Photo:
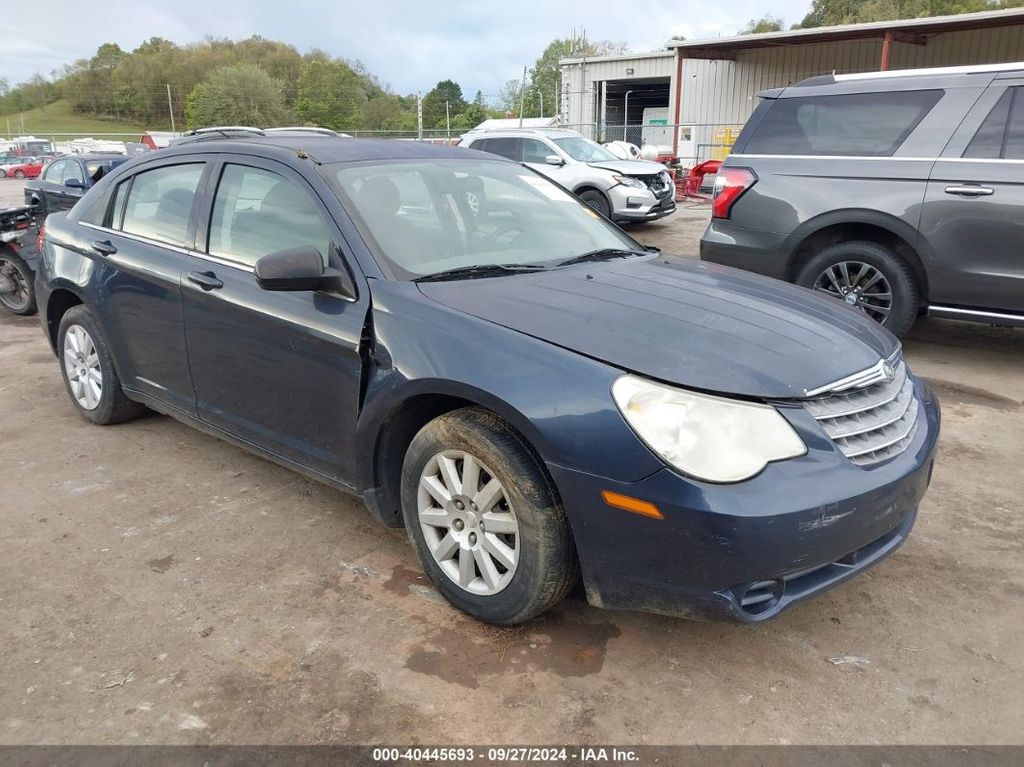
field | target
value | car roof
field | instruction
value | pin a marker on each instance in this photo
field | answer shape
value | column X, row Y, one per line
column 91, row 156
column 323, row 148
column 549, row 132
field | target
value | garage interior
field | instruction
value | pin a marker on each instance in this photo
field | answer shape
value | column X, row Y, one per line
column 624, row 102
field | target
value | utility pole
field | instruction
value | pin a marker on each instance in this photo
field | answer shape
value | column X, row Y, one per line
column 522, row 97
column 170, row 106
column 419, row 116
column 540, row 92
column 448, row 120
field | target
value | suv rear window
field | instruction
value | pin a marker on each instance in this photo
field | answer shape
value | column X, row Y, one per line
column 870, row 124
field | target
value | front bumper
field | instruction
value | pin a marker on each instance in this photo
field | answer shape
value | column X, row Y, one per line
column 749, row 550
column 630, row 204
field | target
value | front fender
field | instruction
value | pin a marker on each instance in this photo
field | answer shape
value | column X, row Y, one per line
column 559, row 400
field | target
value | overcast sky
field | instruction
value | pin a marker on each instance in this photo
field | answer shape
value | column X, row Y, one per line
column 408, row 44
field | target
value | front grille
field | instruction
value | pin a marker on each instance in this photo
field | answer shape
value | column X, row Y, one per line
column 660, row 184
column 873, row 423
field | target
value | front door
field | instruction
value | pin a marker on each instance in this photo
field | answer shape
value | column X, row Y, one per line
column 280, row 370
column 973, row 215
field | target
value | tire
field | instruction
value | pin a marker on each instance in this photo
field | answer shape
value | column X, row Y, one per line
column 863, row 261
column 597, row 201
column 544, row 566
column 111, row 406
column 3, row 173
column 20, row 297
column 19, row 174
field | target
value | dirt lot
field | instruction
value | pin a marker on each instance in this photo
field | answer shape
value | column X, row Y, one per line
column 159, row 586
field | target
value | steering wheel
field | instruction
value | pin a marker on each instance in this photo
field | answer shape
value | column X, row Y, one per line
column 501, row 231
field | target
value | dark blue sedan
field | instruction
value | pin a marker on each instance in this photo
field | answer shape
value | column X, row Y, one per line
column 488, row 362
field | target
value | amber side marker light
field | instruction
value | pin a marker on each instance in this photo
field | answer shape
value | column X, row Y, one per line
column 635, row 505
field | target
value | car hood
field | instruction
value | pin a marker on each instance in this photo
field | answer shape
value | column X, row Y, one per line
column 629, row 167
column 698, row 325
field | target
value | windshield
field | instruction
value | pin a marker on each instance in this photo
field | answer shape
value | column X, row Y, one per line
column 423, row 217
column 584, row 150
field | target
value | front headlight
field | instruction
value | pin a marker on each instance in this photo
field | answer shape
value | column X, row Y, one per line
column 709, row 438
column 630, row 181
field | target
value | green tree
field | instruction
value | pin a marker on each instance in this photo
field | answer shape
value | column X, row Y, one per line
column 386, row 113
column 237, row 95
column 829, row 12
column 766, row 23
column 545, row 75
column 434, row 103
column 331, row 95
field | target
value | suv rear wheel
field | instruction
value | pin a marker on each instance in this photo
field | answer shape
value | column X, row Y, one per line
column 484, row 519
column 597, row 201
column 869, row 277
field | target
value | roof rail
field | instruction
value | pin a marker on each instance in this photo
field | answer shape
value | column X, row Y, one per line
column 226, row 130
column 303, row 129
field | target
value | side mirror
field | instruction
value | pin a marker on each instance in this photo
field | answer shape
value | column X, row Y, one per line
column 74, row 183
column 554, row 159
column 301, row 268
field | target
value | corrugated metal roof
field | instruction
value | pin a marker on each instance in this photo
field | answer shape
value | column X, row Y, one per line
column 932, row 24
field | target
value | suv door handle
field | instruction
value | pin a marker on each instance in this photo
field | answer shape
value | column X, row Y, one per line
column 970, row 190
column 205, row 280
column 104, row 247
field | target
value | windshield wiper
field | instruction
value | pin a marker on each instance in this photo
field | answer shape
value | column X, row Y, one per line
column 604, row 254
column 480, row 270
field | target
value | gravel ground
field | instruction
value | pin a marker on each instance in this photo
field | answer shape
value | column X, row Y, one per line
column 160, row 586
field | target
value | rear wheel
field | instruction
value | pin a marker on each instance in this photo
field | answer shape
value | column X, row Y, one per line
column 3, row 173
column 17, row 291
column 89, row 374
column 484, row 519
column 869, row 277
column 597, row 201
column 19, row 174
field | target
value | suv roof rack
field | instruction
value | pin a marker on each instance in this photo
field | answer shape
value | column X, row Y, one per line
column 970, row 69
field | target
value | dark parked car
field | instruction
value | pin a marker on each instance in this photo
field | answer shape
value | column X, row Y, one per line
column 900, row 193
column 64, row 181
column 528, row 390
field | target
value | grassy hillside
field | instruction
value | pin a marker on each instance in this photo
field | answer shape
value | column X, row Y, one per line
column 58, row 118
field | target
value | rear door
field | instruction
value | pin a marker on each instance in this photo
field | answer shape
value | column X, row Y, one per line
column 280, row 370
column 51, row 186
column 973, row 214
column 144, row 235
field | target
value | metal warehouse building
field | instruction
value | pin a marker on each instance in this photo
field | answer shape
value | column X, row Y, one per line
column 692, row 100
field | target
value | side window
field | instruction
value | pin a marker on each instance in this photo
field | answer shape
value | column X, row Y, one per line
column 506, row 147
column 73, row 171
column 1013, row 149
column 117, row 210
column 55, row 172
column 534, row 150
column 481, row 145
column 988, row 141
column 867, row 124
column 256, row 212
column 160, row 201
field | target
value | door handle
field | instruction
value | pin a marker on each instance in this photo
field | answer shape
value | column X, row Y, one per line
column 104, row 247
column 205, row 280
column 970, row 190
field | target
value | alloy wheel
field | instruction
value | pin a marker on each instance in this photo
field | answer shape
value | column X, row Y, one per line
column 860, row 285
column 468, row 522
column 14, row 292
column 82, row 367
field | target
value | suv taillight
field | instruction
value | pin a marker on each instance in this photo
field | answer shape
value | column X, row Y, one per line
column 730, row 184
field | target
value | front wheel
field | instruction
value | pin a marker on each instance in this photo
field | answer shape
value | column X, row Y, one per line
column 19, row 174
column 88, row 369
column 17, row 291
column 597, row 201
column 868, row 277
column 485, row 520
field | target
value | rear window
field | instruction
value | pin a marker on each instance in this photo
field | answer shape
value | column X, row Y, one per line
column 869, row 124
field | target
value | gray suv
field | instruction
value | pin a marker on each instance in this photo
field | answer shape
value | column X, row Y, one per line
column 900, row 193
column 626, row 191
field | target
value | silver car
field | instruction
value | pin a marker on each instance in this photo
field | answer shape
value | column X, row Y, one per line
column 622, row 190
